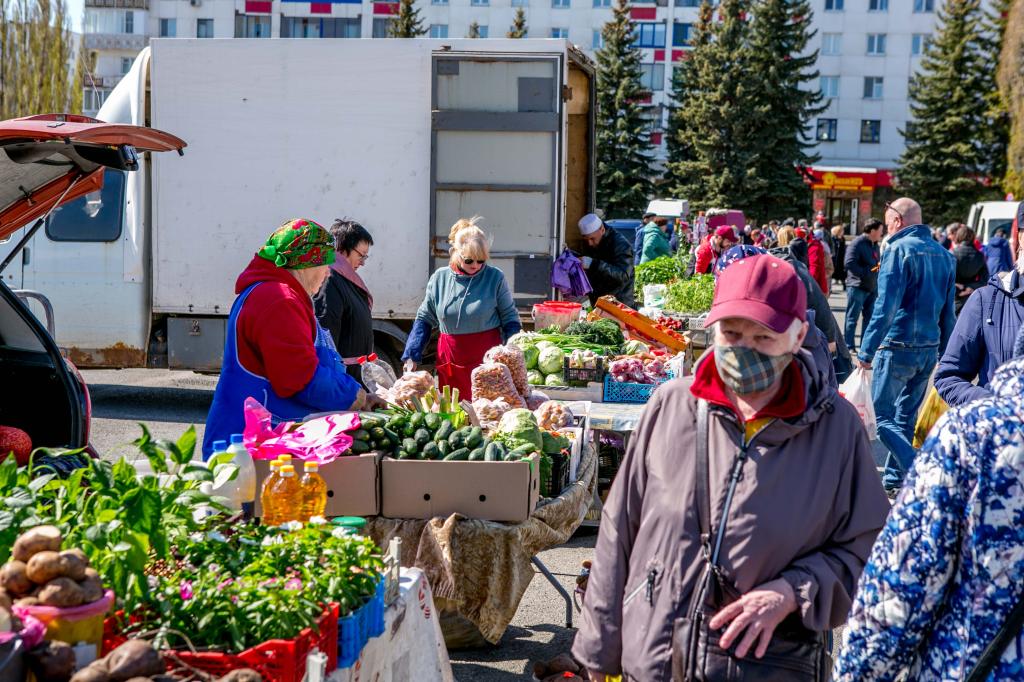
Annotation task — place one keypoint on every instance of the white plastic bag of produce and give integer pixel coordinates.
(377, 374)
(857, 389)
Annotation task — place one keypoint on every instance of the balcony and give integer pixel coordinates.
(118, 4)
(115, 41)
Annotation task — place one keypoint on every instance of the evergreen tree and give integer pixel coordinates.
(682, 79)
(474, 30)
(943, 163)
(408, 23)
(998, 113)
(518, 29)
(788, 101)
(623, 137)
(718, 129)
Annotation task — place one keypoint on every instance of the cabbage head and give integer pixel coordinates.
(532, 355)
(556, 379)
(519, 427)
(534, 378)
(551, 360)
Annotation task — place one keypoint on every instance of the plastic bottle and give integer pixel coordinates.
(287, 496)
(269, 517)
(246, 478)
(314, 492)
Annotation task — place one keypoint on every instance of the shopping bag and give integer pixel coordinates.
(857, 389)
(320, 439)
(933, 408)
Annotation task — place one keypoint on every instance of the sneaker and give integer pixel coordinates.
(892, 493)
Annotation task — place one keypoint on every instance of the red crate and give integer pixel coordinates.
(278, 660)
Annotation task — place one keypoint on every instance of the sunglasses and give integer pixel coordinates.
(471, 261)
(888, 207)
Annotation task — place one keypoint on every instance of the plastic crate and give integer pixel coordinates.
(277, 660)
(626, 392)
(581, 376)
(359, 627)
(559, 475)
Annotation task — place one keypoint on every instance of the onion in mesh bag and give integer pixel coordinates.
(492, 381)
(552, 416)
(513, 358)
(489, 412)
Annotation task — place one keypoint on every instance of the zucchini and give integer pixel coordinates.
(417, 420)
(491, 452)
(476, 455)
(359, 447)
(445, 448)
(411, 446)
(432, 421)
(459, 455)
(422, 437)
(475, 438)
(431, 451)
(444, 431)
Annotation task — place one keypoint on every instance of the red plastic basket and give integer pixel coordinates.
(278, 660)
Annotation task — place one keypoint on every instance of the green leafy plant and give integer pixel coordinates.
(658, 271)
(692, 295)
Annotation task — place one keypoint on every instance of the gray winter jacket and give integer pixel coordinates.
(808, 508)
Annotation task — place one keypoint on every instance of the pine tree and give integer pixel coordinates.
(623, 137)
(518, 29)
(682, 79)
(779, 36)
(718, 128)
(474, 30)
(942, 165)
(408, 23)
(997, 141)
(1011, 87)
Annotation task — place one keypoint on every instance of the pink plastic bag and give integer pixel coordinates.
(321, 439)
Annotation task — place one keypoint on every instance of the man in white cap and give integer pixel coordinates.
(608, 259)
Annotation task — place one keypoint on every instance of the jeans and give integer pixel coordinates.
(859, 303)
(897, 390)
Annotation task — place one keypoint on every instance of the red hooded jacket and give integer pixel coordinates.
(816, 262)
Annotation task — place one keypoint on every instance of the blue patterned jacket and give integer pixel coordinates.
(949, 565)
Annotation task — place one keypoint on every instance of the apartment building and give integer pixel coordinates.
(868, 51)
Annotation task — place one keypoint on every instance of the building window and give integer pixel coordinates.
(681, 34)
(438, 2)
(380, 27)
(247, 26)
(828, 129)
(921, 6)
(480, 3)
(652, 77)
(870, 132)
(598, 42)
(876, 43)
(93, 99)
(601, 4)
(872, 87)
(878, 5)
(559, 4)
(314, 27)
(168, 28)
(831, 44)
(485, 31)
(560, 33)
(439, 30)
(520, 3)
(129, 22)
(95, 217)
(833, 5)
(919, 43)
(688, 3)
(649, 34)
(126, 65)
(204, 28)
(830, 86)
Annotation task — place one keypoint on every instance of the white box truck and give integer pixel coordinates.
(405, 136)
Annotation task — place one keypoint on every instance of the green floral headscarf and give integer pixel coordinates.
(299, 244)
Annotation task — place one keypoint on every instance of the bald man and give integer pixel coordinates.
(910, 325)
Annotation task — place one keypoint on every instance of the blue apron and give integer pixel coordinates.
(331, 388)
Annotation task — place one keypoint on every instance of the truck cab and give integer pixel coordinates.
(986, 217)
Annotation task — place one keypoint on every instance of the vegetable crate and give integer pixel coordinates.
(359, 627)
(277, 660)
(626, 392)
(581, 376)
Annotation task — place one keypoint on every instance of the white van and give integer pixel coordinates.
(988, 216)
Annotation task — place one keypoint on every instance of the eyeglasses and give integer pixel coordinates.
(889, 207)
(363, 257)
(471, 261)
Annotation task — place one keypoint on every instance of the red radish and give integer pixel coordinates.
(16, 441)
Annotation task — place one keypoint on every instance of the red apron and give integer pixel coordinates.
(459, 354)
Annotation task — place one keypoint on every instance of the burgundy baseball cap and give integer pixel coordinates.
(762, 289)
(726, 232)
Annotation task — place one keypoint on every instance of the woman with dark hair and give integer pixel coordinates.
(345, 304)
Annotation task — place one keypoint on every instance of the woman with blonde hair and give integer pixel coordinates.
(470, 304)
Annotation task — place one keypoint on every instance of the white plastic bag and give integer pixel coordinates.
(857, 389)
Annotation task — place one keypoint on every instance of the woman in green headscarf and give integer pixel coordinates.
(274, 350)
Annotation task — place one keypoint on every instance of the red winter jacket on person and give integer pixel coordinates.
(816, 262)
(706, 258)
(276, 328)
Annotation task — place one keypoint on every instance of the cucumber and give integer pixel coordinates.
(359, 447)
(422, 437)
(402, 454)
(411, 446)
(445, 448)
(523, 451)
(407, 430)
(396, 423)
(417, 420)
(431, 451)
(491, 452)
(476, 455)
(456, 439)
(378, 433)
(432, 421)
(392, 437)
(510, 457)
(444, 431)
(461, 454)
(369, 421)
(360, 434)
(475, 437)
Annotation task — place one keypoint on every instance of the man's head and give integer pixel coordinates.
(873, 230)
(760, 317)
(901, 213)
(662, 223)
(723, 238)
(964, 235)
(592, 229)
(1001, 232)
(648, 217)
(800, 223)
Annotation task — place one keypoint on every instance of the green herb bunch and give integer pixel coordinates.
(692, 295)
(661, 270)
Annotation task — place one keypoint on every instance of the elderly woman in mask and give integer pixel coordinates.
(744, 510)
(275, 350)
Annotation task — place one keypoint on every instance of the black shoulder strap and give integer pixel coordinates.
(703, 477)
(994, 651)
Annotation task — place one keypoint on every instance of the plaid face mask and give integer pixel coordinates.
(745, 370)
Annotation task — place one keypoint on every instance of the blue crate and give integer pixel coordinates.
(359, 627)
(625, 392)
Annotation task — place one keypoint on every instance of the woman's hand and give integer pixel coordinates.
(410, 365)
(758, 612)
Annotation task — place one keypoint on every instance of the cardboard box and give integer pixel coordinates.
(353, 485)
(492, 491)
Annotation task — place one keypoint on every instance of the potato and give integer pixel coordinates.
(95, 672)
(51, 661)
(39, 539)
(242, 675)
(14, 578)
(44, 567)
(74, 564)
(92, 590)
(134, 658)
(62, 592)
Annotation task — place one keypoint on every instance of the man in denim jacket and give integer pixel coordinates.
(911, 323)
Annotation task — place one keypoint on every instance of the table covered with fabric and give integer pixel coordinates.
(479, 570)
